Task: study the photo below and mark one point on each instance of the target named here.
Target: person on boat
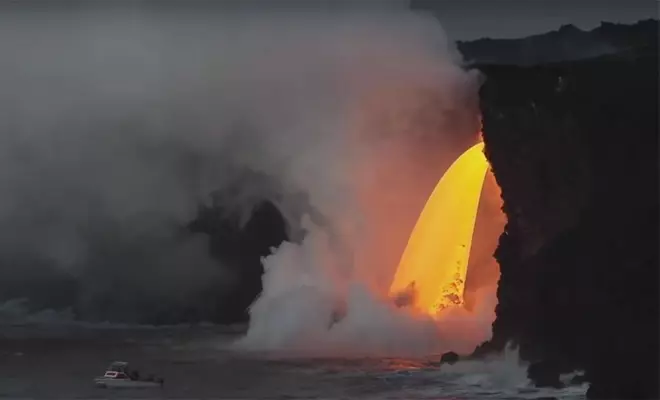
(135, 375)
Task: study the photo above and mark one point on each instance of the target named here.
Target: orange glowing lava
(433, 269)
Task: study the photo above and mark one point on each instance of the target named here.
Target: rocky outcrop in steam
(574, 148)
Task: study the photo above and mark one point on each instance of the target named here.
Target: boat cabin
(117, 370)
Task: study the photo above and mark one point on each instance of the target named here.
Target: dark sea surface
(199, 362)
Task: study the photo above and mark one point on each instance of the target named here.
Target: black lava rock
(544, 374)
(578, 379)
(449, 358)
(575, 153)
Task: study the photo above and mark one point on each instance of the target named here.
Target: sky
(461, 19)
(474, 19)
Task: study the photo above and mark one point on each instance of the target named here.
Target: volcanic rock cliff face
(566, 43)
(574, 149)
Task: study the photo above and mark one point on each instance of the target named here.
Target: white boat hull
(124, 383)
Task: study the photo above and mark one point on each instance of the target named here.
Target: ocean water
(60, 361)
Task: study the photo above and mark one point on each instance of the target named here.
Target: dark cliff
(574, 147)
(566, 43)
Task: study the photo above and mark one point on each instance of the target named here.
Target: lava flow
(433, 269)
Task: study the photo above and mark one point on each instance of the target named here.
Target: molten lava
(432, 271)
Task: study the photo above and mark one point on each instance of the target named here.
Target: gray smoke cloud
(117, 123)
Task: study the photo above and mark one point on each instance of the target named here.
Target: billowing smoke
(118, 123)
(410, 112)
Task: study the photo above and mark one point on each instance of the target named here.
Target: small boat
(118, 375)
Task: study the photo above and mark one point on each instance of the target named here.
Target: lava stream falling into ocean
(433, 268)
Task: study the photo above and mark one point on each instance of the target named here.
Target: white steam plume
(409, 112)
(117, 123)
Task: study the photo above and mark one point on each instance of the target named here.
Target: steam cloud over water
(116, 124)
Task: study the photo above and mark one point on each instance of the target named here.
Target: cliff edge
(574, 148)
